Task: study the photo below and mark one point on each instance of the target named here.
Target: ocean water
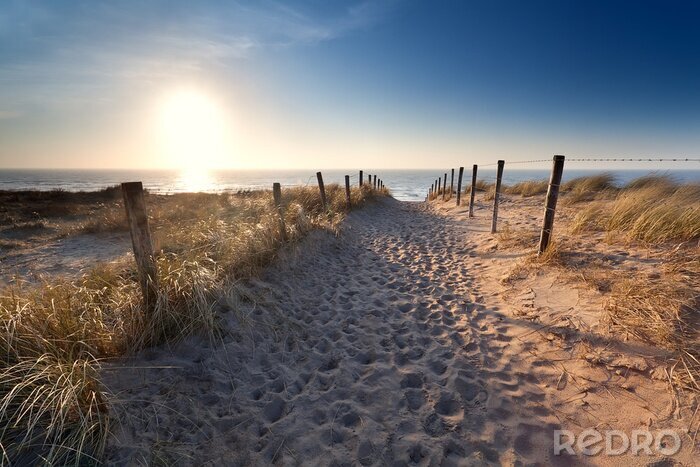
(406, 185)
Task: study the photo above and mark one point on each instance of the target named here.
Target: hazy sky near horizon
(330, 84)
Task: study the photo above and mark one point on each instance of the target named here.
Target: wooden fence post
(136, 215)
(444, 187)
(360, 178)
(322, 189)
(374, 181)
(473, 191)
(347, 191)
(459, 185)
(277, 196)
(551, 203)
(496, 195)
(452, 183)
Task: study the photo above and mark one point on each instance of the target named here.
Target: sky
(335, 84)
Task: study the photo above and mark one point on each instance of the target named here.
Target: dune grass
(527, 188)
(53, 336)
(663, 311)
(652, 210)
(664, 217)
(588, 188)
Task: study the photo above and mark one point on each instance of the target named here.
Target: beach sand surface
(392, 343)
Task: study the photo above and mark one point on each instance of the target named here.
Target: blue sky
(329, 84)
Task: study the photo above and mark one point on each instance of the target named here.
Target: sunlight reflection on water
(194, 180)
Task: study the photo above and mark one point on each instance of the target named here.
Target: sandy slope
(69, 256)
(383, 346)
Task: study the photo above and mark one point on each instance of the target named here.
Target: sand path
(377, 349)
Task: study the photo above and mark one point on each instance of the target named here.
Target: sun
(192, 130)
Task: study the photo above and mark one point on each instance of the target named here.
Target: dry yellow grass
(588, 188)
(653, 211)
(660, 308)
(664, 311)
(52, 336)
(517, 238)
(527, 188)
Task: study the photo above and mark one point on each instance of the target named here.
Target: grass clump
(527, 188)
(588, 188)
(53, 336)
(652, 210)
(509, 237)
(666, 312)
(483, 185)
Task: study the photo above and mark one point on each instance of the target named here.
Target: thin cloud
(102, 42)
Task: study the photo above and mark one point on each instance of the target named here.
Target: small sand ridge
(371, 348)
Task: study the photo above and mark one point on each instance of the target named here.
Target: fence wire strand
(605, 159)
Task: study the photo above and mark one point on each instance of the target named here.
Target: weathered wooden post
(374, 181)
(347, 191)
(496, 195)
(444, 187)
(277, 196)
(459, 185)
(322, 189)
(136, 215)
(473, 191)
(438, 187)
(551, 203)
(360, 178)
(452, 183)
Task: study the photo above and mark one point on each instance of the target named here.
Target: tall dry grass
(588, 188)
(53, 336)
(651, 210)
(527, 188)
(664, 310)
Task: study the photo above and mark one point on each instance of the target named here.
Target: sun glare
(193, 131)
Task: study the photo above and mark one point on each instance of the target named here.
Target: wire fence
(439, 189)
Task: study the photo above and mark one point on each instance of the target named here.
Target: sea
(405, 185)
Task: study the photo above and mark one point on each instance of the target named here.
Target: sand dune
(383, 346)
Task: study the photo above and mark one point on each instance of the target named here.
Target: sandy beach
(394, 342)
(230, 233)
